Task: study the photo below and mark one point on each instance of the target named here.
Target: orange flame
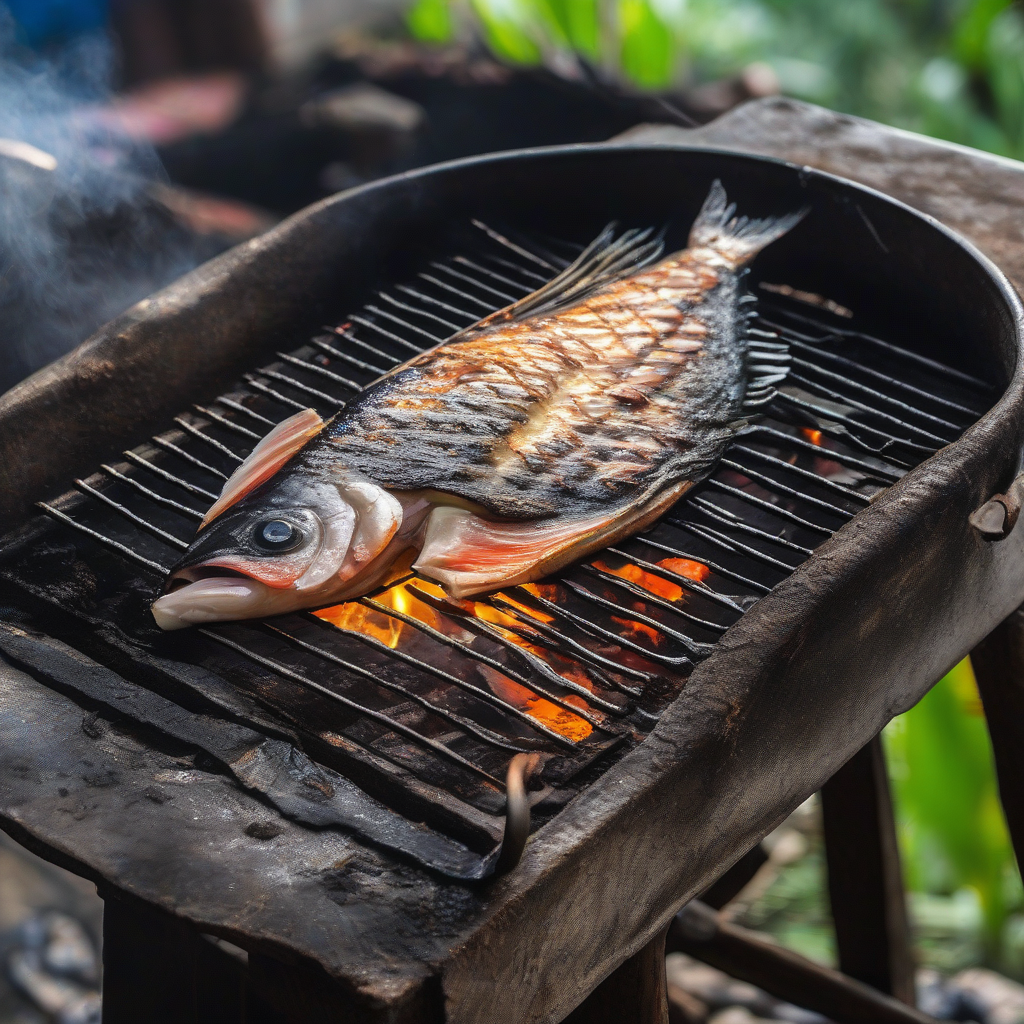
(391, 631)
(388, 630)
(696, 571)
(814, 436)
(638, 629)
(564, 722)
(655, 584)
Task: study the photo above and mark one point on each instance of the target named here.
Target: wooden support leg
(160, 970)
(865, 882)
(636, 993)
(999, 668)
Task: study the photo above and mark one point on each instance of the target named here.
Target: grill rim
(111, 364)
(531, 896)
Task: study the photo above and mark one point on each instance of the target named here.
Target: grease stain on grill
(420, 701)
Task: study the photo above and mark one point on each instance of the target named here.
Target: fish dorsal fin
(266, 459)
(607, 259)
(737, 240)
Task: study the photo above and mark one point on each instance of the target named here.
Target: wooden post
(158, 968)
(865, 882)
(635, 993)
(999, 668)
(701, 933)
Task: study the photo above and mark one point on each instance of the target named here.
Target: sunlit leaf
(647, 51)
(952, 827)
(507, 29)
(430, 20)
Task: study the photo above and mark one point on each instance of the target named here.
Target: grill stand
(175, 970)
(865, 878)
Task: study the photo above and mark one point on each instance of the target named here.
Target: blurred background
(139, 138)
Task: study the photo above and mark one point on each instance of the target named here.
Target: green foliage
(950, 68)
(952, 831)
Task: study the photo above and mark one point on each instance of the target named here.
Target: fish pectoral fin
(468, 554)
(266, 459)
(607, 259)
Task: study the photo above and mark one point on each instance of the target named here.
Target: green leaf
(581, 22)
(507, 29)
(647, 51)
(430, 20)
(952, 827)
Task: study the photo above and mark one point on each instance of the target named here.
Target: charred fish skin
(547, 430)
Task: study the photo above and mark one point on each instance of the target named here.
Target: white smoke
(81, 239)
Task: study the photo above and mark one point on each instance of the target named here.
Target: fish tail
(737, 239)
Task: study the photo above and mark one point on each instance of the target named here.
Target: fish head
(298, 541)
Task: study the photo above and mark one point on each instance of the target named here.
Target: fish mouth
(200, 594)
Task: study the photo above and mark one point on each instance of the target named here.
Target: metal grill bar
(327, 399)
(615, 610)
(846, 382)
(461, 294)
(767, 506)
(206, 439)
(683, 581)
(903, 353)
(170, 446)
(121, 549)
(425, 666)
(843, 458)
(435, 302)
(488, 737)
(159, 471)
(488, 629)
(419, 312)
(337, 378)
(145, 524)
(713, 511)
(390, 335)
(772, 484)
(444, 268)
(157, 499)
(883, 378)
(377, 311)
(238, 407)
(837, 396)
(485, 659)
(266, 389)
(653, 599)
(336, 353)
(378, 716)
(816, 478)
(231, 425)
(343, 332)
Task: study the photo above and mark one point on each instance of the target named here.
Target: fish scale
(562, 423)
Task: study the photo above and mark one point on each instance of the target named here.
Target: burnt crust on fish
(611, 390)
(549, 429)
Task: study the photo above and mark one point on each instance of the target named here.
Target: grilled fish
(549, 429)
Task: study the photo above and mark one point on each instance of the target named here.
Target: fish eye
(277, 535)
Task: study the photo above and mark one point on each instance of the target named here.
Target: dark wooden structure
(184, 856)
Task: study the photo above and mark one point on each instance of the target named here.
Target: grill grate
(403, 688)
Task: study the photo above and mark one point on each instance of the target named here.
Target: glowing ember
(655, 584)
(635, 630)
(814, 436)
(360, 619)
(393, 632)
(558, 719)
(696, 571)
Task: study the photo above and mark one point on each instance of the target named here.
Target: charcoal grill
(828, 567)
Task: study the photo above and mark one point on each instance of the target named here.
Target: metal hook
(517, 812)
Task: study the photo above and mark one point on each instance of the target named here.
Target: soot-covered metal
(407, 705)
(781, 611)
